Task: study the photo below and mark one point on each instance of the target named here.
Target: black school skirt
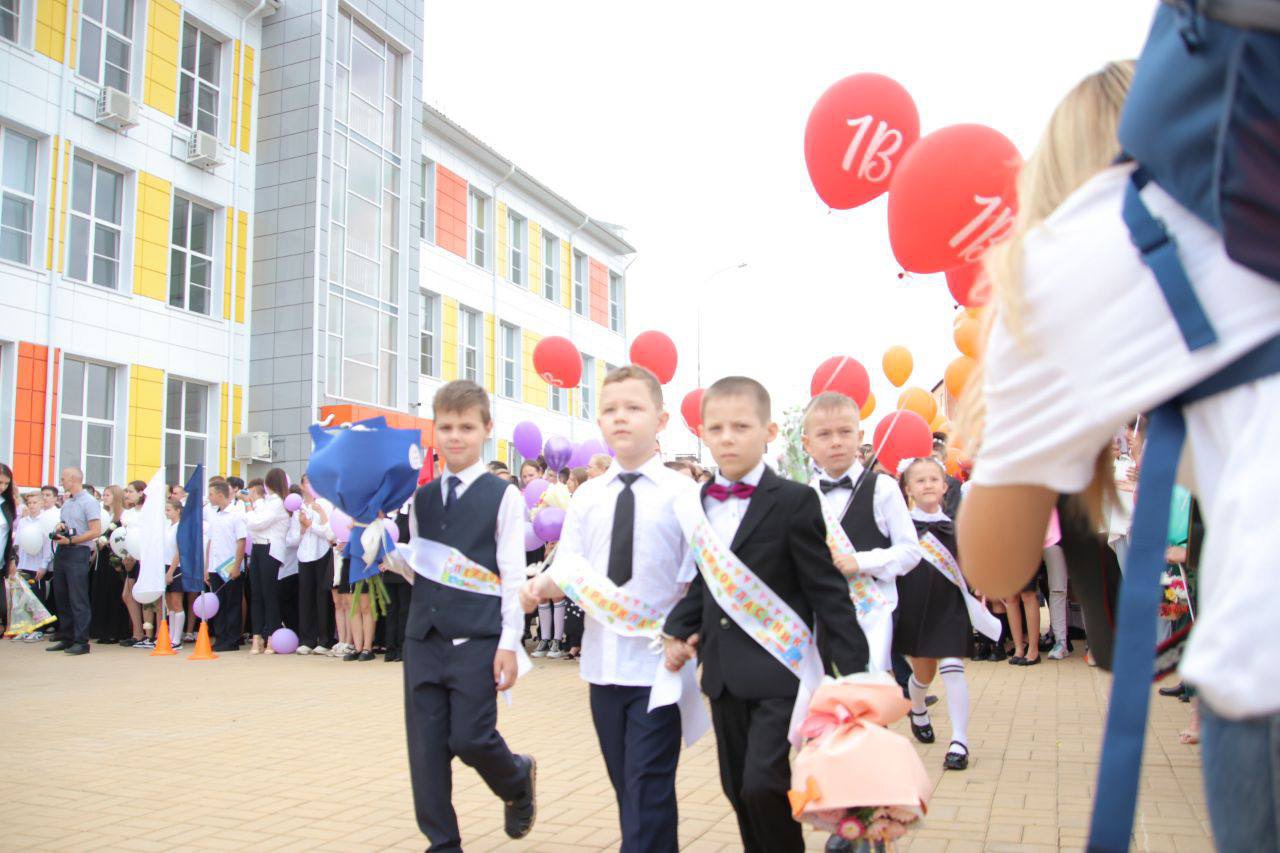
(932, 619)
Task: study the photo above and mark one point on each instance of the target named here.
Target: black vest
(859, 520)
(471, 526)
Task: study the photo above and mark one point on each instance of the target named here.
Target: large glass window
(364, 234)
(517, 236)
(106, 42)
(558, 399)
(86, 428)
(510, 361)
(199, 76)
(586, 389)
(550, 265)
(186, 429)
(469, 344)
(478, 217)
(9, 20)
(615, 302)
(428, 334)
(93, 245)
(17, 194)
(191, 257)
(579, 284)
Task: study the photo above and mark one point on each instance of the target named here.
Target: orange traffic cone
(163, 647)
(204, 649)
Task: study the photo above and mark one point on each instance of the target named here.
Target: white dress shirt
(226, 527)
(658, 551)
(892, 519)
(510, 542)
(314, 542)
(268, 524)
(726, 515)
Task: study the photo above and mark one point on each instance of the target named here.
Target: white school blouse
(314, 542)
(1099, 344)
(268, 524)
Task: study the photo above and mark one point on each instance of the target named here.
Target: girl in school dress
(933, 629)
(109, 622)
(134, 495)
(173, 573)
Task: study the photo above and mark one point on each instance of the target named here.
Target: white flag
(150, 583)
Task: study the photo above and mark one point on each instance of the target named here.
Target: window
(186, 429)
(517, 235)
(586, 390)
(469, 344)
(427, 218)
(198, 79)
(97, 196)
(191, 257)
(580, 284)
(510, 361)
(559, 400)
(17, 193)
(428, 318)
(86, 430)
(615, 302)
(106, 41)
(550, 266)
(9, 19)
(477, 216)
(365, 270)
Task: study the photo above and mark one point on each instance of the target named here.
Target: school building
(222, 221)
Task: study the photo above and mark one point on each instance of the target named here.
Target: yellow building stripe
(242, 261)
(229, 231)
(246, 99)
(65, 178)
(53, 200)
(535, 256)
(151, 241)
(164, 27)
(51, 16)
(566, 274)
(449, 340)
(535, 387)
(146, 421)
(490, 355)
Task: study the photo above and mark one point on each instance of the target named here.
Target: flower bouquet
(1174, 602)
(852, 776)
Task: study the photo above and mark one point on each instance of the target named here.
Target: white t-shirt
(170, 542)
(225, 528)
(1099, 344)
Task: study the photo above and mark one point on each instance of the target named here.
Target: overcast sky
(684, 123)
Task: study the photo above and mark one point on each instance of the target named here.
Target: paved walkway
(120, 751)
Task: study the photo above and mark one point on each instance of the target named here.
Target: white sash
(945, 562)
(753, 606)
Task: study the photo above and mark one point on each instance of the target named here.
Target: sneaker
(540, 651)
(520, 813)
(323, 651)
(1058, 652)
(34, 637)
(145, 644)
(303, 650)
(189, 637)
(177, 647)
(555, 653)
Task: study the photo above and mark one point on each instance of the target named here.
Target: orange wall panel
(451, 212)
(28, 427)
(349, 413)
(599, 299)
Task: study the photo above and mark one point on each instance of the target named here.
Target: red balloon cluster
(691, 410)
(657, 353)
(969, 286)
(844, 375)
(558, 361)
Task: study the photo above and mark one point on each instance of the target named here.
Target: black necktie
(843, 483)
(624, 527)
(451, 497)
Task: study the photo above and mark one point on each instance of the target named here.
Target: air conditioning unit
(202, 150)
(253, 445)
(116, 110)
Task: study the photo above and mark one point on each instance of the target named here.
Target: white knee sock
(957, 686)
(176, 619)
(917, 691)
(544, 621)
(1055, 563)
(557, 619)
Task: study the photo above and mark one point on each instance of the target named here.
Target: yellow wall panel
(246, 99)
(53, 200)
(566, 275)
(449, 340)
(146, 421)
(151, 237)
(490, 351)
(242, 261)
(504, 255)
(51, 18)
(228, 233)
(535, 256)
(164, 26)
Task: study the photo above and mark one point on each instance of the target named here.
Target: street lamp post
(701, 291)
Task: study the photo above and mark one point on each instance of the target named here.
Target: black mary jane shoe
(365, 656)
(1017, 660)
(1031, 661)
(956, 760)
(1176, 690)
(924, 733)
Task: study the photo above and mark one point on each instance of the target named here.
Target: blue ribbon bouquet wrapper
(365, 469)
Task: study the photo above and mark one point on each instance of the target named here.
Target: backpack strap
(1160, 254)
(1134, 654)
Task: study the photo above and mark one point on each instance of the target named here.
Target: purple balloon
(594, 446)
(205, 606)
(284, 641)
(548, 523)
(293, 503)
(531, 540)
(528, 439)
(533, 492)
(557, 451)
(581, 455)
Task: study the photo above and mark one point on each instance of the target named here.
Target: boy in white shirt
(224, 561)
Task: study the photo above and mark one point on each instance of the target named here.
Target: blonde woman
(1081, 340)
(109, 622)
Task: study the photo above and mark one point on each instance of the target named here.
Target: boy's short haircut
(741, 386)
(236, 484)
(829, 401)
(222, 487)
(601, 460)
(217, 478)
(29, 495)
(174, 503)
(257, 482)
(635, 371)
(497, 465)
(53, 490)
(460, 396)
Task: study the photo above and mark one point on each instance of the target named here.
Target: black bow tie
(943, 527)
(843, 483)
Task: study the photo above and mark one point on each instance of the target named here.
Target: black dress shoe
(1176, 690)
(1031, 661)
(836, 844)
(128, 641)
(997, 654)
(60, 646)
(956, 760)
(519, 814)
(107, 642)
(1017, 660)
(924, 733)
(78, 649)
(351, 655)
(366, 655)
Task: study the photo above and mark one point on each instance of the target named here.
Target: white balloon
(133, 540)
(117, 542)
(32, 539)
(129, 516)
(146, 596)
(48, 522)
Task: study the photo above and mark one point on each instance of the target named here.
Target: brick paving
(121, 751)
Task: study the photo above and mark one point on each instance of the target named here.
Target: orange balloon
(958, 374)
(967, 334)
(868, 407)
(919, 401)
(897, 365)
(954, 457)
(939, 421)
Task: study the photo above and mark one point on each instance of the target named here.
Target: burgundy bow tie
(737, 490)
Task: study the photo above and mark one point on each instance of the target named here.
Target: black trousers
(451, 709)
(226, 622)
(315, 603)
(71, 590)
(398, 597)
(264, 602)
(641, 749)
(751, 739)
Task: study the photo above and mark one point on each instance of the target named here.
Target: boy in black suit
(775, 527)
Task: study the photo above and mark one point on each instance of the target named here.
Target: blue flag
(191, 534)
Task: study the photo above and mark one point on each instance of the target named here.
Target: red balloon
(844, 375)
(691, 409)
(856, 135)
(655, 352)
(969, 285)
(901, 435)
(952, 196)
(558, 361)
